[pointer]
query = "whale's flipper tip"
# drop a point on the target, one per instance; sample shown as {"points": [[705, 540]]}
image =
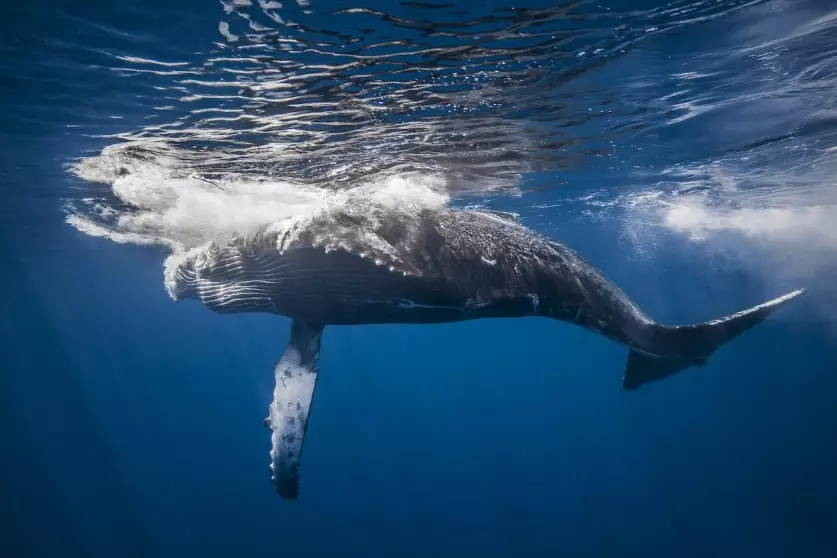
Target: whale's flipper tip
{"points": [[286, 486], [296, 380], [679, 347]]}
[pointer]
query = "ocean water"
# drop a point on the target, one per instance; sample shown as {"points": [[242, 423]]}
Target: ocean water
{"points": [[687, 148]]}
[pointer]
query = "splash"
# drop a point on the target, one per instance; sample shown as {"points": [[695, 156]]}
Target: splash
{"points": [[812, 225], [156, 198], [778, 222]]}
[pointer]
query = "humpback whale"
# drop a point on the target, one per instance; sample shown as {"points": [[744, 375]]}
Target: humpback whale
{"points": [[423, 267]]}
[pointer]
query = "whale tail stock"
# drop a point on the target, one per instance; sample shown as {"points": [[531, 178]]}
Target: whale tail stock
{"points": [[676, 348]]}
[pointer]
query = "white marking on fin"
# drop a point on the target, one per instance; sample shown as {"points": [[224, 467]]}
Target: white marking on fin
{"points": [[293, 394]]}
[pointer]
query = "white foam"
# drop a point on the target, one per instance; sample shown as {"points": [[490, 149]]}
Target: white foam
{"points": [[789, 207], [158, 198], [776, 219], [802, 223]]}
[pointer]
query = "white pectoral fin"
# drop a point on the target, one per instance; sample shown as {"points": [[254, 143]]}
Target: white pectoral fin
{"points": [[296, 380]]}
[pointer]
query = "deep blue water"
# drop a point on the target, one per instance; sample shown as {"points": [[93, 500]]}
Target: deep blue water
{"points": [[131, 425]]}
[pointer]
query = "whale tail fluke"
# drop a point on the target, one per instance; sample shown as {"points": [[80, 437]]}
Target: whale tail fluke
{"points": [[675, 348]]}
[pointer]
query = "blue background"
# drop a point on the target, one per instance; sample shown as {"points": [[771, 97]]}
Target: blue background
{"points": [[131, 425]]}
